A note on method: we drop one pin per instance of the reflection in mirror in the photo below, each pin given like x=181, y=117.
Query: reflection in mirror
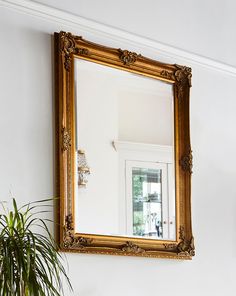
x=125, y=129
x=147, y=202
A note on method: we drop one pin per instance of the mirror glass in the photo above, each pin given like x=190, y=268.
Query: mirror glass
x=125, y=184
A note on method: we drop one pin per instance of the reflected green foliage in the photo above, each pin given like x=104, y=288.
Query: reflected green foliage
x=137, y=186
x=137, y=206
x=30, y=264
x=138, y=223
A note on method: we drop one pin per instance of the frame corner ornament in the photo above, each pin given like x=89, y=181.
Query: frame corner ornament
x=70, y=241
x=129, y=247
x=182, y=77
x=127, y=57
x=186, y=162
x=66, y=139
x=185, y=247
x=68, y=48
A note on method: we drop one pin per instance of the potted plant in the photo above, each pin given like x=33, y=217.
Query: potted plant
x=30, y=264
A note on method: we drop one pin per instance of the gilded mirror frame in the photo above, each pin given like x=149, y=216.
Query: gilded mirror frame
x=67, y=48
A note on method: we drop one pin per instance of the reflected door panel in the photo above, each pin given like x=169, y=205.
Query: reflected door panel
x=147, y=196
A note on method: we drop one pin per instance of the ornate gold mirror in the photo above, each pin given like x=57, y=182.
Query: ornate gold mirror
x=124, y=155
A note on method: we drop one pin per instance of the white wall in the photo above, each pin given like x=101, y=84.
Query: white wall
x=26, y=166
x=185, y=24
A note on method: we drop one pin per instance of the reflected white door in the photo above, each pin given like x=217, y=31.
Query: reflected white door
x=148, y=213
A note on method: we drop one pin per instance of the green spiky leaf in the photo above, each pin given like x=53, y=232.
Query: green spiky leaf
x=30, y=264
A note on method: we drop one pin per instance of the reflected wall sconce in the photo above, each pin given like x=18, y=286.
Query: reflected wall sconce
x=83, y=169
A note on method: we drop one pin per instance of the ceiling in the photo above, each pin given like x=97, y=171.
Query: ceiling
x=203, y=27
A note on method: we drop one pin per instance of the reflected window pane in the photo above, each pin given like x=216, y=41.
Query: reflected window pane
x=147, y=202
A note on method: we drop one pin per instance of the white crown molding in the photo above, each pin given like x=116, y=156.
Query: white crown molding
x=68, y=19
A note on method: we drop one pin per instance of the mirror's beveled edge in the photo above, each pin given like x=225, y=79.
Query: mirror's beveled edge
x=68, y=47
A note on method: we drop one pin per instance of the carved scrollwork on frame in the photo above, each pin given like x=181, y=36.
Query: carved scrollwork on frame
x=185, y=247
x=129, y=247
x=128, y=57
x=68, y=47
x=66, y=139
x=183, y=77
x=183, y=74
x=166, y=74
x=170, y=246
x=70, y=241
x=73, y=242
x=68, y=222
x=186, y=162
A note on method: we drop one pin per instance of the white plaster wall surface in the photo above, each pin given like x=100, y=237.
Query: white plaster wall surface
x=26, y=166
x=199, y=26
